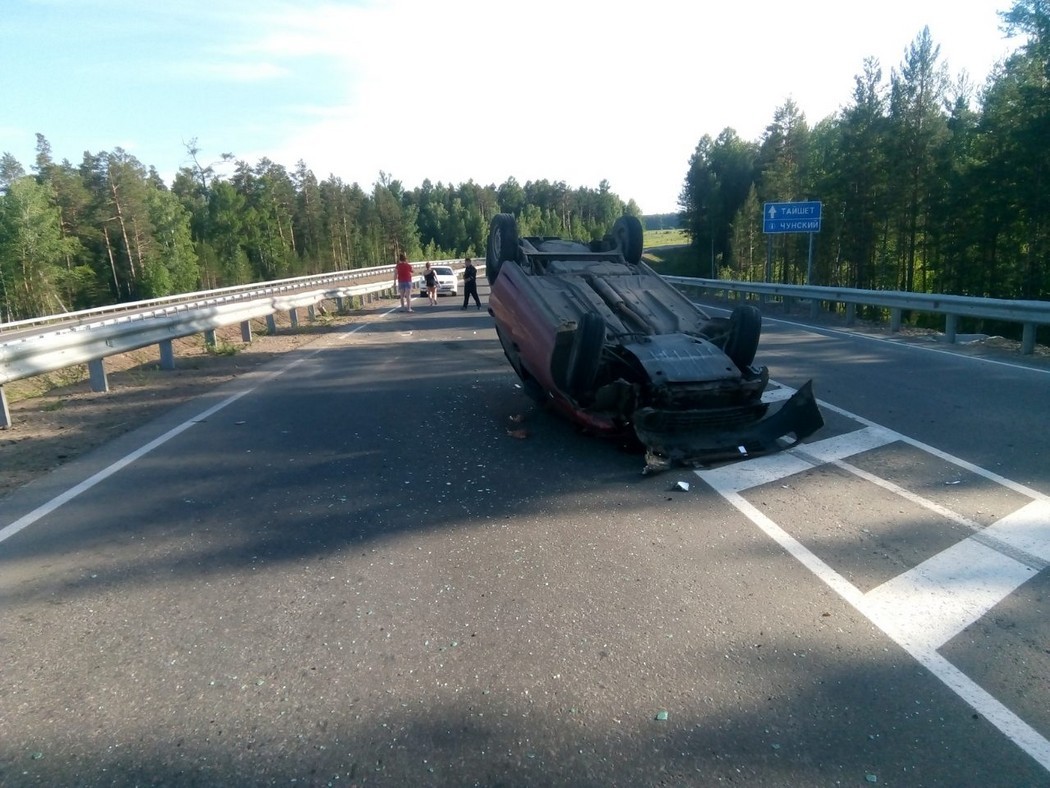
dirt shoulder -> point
(56, 417)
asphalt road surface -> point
(373, 563)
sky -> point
(578, 91)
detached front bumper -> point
(705, 444)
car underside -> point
(598, 335)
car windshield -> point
(443, 271)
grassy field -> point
(671, 259)
(664, 238)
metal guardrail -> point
(237, 292)
(47, 344)
(1029, 314)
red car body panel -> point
(605, 341)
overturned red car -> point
(597, 335)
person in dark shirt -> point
(470, 284)
(431, 280)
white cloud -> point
(243, 71)
(572, 90)
(581, 91)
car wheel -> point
(502, 245)
(627, 232)
(745, 329)
(586, 354)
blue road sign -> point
(791, 217)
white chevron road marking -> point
(925, 607)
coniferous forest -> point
(928, 182)
(110, 230)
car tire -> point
(627, 232)
(586, 354)
(745, 330)
(502, 245)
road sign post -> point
(794, 217)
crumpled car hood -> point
(670, 439)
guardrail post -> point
(1028, 339)
(167, 354)
(293, 318)
(339, 305)
(951, 326)
(97, 374)
(851, 313)
(5, 413)
(246, 332)
(895, 320)
(311, 313)
(814, 308)
(209, 337)
(271, 324)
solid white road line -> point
(928, 605)
(773, 467)
(918, 500)
(45, 509)
(898, 341)
(756, 472)
(933, 602)
(958, 461)
(1026, 530)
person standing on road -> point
(470, 284)
(403, 281)
(430, 278)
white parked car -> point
(448, 282)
